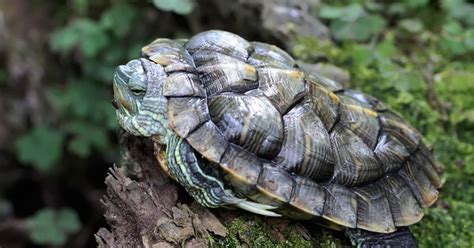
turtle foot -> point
(400, 238)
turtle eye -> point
(137, 83)
(137, 91)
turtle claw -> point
(258, 208)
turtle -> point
(239, 125)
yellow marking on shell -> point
(294, 74)
(162, 60)
(429, 197)
(235, 175)
(270, 194)
(415, 218)
(334, 220)
(295, 204)
(366, 111)
(307, 152)
(146, 49)
(333, 97)
(250, 69)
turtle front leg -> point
(400, 238)
(206, 189)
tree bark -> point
(142, 207)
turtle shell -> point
(294, 140)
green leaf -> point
(453, 28)
(85, 33)
(182, 7)
(119, 19)
(80, 98)
(460, 10)
(397, 8)
(362, 55)
(414, 26)
(386, 48)
(40, 147)
(67, 220)
(359, 30)
(413, 4)
(452, 46)
(469, 39)
(51, 227)
(86, 137)
(65, 39)
(347, 13)
(409, 81)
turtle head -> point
(141, 108)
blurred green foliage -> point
(182, 7)
(419, 62)
(86, 116)
(51, 227)
(41, 147)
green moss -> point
(452, 227)
(252, 231)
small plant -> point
(51, 227)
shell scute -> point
(419, 183)
(265, 55)
(243, 169)
(220, 42)
(404, 207)
(355, 161)
(359, 119)
(325, 103)
(222, 73)
(186, 114)
(327, 83)
(248, 121)
(282, 86)
(275, 186)
(397, 127)
(390, 153)
(307, 199)
(340, 205)
(182, 84)
(170, 54)
(208, 141)
(306, 148)
(373, 210)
